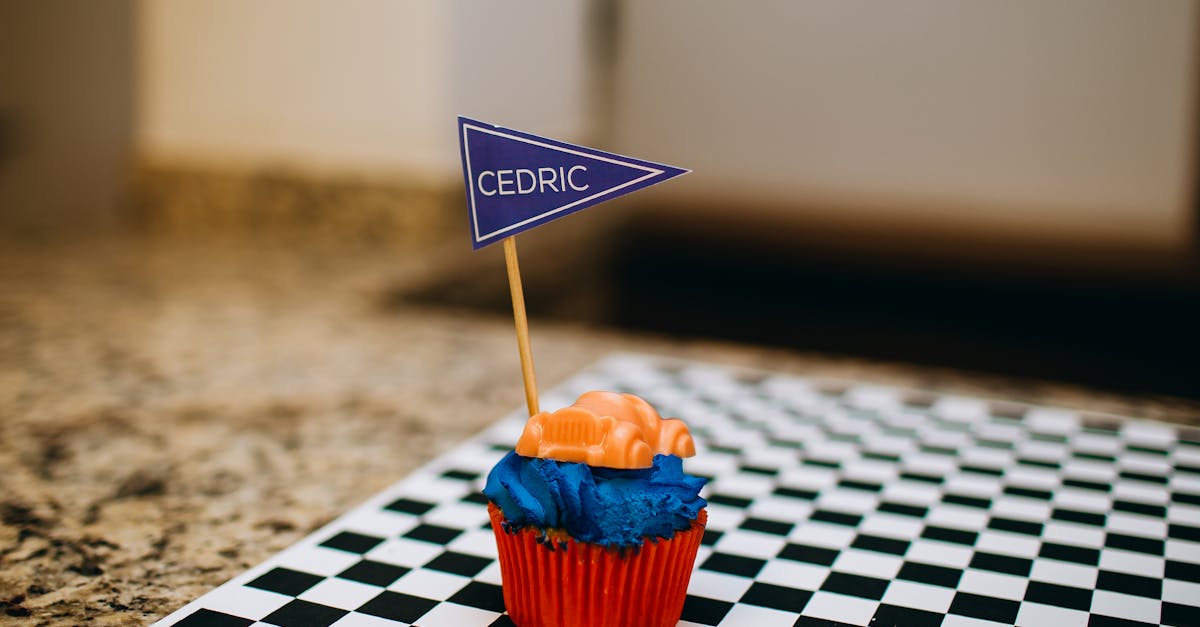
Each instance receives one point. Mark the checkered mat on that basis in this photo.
(829, 504)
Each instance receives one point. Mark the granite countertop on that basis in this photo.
(172, 413)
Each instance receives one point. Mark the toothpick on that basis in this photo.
(518, 302)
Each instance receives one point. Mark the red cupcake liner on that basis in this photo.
(579, 584)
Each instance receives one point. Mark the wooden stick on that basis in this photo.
(518, 302)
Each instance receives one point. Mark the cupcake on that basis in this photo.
(596, 522)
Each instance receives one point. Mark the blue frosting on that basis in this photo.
(599, 505)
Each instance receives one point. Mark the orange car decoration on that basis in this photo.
(605, 429)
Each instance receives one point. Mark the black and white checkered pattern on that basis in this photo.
(828, 504)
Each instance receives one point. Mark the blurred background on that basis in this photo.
(1005, 187)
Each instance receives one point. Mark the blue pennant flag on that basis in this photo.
(516, 181)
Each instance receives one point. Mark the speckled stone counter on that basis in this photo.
(171, 414)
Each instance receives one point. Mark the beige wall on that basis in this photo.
(1046, 118)
(351, 84)
(1060, 119)
(364, 86)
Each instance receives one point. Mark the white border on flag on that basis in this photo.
(471, 179)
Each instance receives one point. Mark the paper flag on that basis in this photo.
(516, 181)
